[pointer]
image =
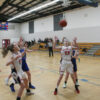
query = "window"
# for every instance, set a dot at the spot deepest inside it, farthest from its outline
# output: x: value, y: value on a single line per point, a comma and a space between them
x: 57, y: 19
x: 31, y: 27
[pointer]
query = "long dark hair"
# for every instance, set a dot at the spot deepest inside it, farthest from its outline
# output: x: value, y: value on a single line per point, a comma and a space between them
x: 6, y: 50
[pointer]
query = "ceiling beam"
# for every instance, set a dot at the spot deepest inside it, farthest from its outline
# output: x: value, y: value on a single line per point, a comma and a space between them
x: 3, y: 17
x: 55, y: 12
x: 18, y: 4
x: 39, y: 13
x: 27, y: 7
x: 4, y: 4
x: 18, y: 7
x: 44, y: 13
x: 12, y: 7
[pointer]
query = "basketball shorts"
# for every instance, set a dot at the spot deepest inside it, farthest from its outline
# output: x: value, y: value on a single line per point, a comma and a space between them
x: 15, y: 76
x: 18, y: 76
x: 66, y: 66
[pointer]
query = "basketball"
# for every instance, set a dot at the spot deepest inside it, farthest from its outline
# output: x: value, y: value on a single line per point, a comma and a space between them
x: 63, y: 23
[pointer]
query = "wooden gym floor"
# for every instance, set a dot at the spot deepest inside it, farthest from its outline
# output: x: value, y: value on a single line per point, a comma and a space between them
x: 45, y: 74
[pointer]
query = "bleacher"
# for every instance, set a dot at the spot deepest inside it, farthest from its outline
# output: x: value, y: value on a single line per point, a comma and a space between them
x: 82, y: 46
x: 97, y: 53
x: 91, y: 48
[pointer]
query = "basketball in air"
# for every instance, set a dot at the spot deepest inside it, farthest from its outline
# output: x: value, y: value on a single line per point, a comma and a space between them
x: 63, y: 23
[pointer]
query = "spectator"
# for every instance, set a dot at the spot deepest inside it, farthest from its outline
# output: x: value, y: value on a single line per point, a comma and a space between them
x: 50, y: 47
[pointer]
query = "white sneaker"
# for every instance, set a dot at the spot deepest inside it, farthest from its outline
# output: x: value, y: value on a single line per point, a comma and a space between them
x: 64, y: 85
x: 6, y: 81
x: 29, y: 93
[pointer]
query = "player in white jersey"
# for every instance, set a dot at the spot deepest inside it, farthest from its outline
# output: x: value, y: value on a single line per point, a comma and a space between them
x: 16, y: 60
x: 75, y: 55
x: 66, y: 64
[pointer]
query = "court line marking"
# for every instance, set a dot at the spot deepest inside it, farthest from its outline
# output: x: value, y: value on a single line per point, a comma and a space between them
x: 56, y: 72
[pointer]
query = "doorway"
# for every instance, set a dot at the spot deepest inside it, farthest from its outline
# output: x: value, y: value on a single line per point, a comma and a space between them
x: 5, y: 43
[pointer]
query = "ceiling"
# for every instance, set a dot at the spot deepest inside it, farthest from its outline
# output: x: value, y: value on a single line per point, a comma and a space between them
x: 10, y: 8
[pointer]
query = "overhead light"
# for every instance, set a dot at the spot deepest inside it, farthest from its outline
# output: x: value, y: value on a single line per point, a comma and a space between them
x: 34, y: 9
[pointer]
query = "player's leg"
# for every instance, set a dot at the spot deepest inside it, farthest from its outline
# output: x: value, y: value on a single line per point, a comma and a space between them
x: 29, y: 78
x: 75, y: 73
x: 28, y: 91
x: 70, y: 70
x: 7, y: 79
x: 58, y: 82
x: 61, y: 70
x: 66, y: 79
x: 20, y: 92
x: 26, y: 69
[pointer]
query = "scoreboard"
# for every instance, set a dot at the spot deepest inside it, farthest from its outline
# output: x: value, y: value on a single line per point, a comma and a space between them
x: 3, y: 25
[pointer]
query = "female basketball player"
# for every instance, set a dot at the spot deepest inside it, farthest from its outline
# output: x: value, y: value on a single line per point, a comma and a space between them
x: 66, y: 64
x: 16, y: 61
x: 24, y: 63
x: 25, y: 67
x: 75, y: 54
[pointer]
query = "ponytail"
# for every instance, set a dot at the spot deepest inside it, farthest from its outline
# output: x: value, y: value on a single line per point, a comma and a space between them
x: 6, y: 50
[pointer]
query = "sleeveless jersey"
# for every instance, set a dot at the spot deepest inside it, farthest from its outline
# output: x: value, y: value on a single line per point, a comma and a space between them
x: 66, y: 53
x: 24, y: 57
x: 18, y: 63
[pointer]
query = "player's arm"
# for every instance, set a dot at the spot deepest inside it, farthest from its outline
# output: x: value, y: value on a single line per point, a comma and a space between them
x: 75, y: 42
x: 28, y: 50
x: 9, y: 62
x: 75, y: 55
x: 73, y: 47
x: 54, y: 44
x: 12, y: 60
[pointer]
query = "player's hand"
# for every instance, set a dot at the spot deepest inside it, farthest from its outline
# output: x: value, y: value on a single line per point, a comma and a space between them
x: 56, y: 38
x: 17, y: 57
x: 75, y: 39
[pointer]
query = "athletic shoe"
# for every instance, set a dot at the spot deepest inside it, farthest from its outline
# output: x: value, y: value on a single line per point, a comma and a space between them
x: 12, y: 88
x: 76, y: 88
x: 56, y: 91
x: 31, y: 86
x: 29, y: 93
x: 6, y: 81
x: 64, y: 85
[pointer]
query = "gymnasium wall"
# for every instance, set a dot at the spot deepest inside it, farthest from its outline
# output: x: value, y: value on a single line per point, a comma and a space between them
x: 13, y: 33
x: 82, y: 22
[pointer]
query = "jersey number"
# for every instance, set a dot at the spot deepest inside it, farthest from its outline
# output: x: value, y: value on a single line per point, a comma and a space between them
x: 67, y: 52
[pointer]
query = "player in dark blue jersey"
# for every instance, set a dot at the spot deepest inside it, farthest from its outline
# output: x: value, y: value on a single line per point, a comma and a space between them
x: 24, y: 63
